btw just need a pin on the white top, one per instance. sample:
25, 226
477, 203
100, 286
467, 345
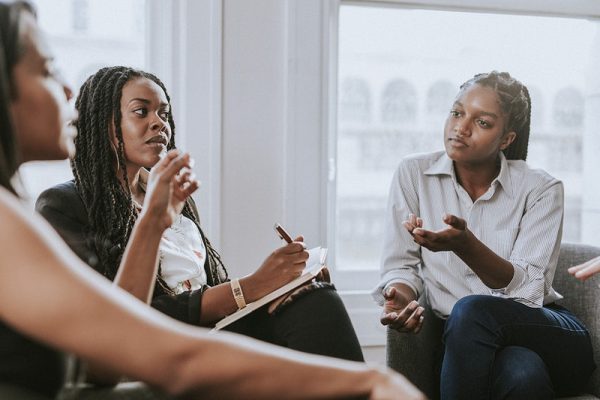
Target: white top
182, 255
519, 218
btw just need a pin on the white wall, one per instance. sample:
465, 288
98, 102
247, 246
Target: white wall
254, 70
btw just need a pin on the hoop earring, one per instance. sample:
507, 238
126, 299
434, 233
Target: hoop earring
114, 149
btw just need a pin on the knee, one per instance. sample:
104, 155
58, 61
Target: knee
468, 314
520, 373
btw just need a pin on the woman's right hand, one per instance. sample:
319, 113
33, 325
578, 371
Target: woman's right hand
283, 265
401, 314
169, 185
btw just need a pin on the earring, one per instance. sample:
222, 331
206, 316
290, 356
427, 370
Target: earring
114, 149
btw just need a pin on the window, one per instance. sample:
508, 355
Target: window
413, 61
399, 102
80, 18
92, 35
568, 109
355, 105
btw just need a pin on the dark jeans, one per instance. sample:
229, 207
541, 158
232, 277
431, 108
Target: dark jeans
497, 348
314, 323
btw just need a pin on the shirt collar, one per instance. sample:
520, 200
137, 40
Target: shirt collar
143, 183
444, 166
143, 179
504, 176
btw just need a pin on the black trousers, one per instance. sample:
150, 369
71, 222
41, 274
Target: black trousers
315, 323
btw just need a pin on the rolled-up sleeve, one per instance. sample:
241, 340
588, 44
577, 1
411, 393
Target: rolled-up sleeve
401, 256
536, 249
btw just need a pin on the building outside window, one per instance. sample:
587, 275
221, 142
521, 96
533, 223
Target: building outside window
412, 63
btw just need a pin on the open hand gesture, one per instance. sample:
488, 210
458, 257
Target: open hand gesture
401, 316
449, 239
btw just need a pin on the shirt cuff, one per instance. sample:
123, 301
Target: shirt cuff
377, 292
514, 284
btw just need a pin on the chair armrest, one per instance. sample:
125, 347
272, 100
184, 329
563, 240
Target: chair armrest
417, 356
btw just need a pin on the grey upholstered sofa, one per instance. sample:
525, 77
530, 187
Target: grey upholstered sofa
413, 355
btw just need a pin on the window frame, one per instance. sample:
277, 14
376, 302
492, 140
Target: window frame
184, 49
322, 180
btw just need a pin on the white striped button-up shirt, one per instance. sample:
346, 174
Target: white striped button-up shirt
519, 218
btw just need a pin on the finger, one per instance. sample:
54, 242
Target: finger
189, 189
388, 318
408, 226
425, 234
408, 311
419, 325
183, 176
576, 268
184, 184
413, 321
584, 265
412, 218
454, 221
292, 248
588, 271
176, 164
419, 222
300, 239
296, 258
162, 163
390, 293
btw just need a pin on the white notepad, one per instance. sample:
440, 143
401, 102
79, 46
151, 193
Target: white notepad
314, 264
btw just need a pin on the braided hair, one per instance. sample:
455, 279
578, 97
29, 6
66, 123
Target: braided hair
96, 166
515, 103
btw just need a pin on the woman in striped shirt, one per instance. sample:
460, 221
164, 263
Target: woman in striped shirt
475, 233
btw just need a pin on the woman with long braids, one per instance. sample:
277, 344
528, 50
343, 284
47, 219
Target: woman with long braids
52, 302
125, 122
477, 232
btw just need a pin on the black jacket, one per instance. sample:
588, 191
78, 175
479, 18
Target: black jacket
62, 206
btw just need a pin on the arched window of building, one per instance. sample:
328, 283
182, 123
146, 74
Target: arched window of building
399, 102
81, 15
568, 108
354, 101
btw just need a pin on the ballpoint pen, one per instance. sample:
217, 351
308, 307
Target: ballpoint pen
283, 234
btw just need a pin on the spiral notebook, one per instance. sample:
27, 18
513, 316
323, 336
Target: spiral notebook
314, 264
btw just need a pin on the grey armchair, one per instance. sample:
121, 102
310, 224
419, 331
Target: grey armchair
414, 355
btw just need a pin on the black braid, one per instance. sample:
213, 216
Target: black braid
109, 203
515, 102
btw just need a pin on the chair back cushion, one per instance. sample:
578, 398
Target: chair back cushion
582, 298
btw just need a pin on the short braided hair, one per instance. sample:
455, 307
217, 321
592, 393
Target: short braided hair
109, 203
515, 102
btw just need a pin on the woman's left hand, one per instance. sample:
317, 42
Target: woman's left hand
450, 239
586, 270
170, 183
